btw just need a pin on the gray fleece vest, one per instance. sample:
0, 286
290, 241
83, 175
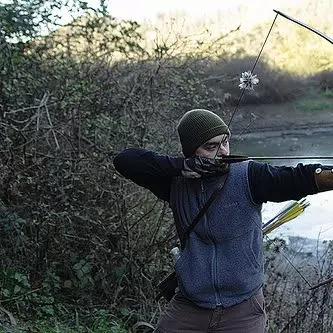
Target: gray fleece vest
222, 263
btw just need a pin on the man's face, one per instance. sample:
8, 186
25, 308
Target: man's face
216, 146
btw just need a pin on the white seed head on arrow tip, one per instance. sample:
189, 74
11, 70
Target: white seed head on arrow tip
248, 80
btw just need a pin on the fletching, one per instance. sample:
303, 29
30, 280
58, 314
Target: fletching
288, 213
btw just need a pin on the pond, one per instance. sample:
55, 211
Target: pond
317, 220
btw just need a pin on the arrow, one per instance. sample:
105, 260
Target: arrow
241, 158
288, 213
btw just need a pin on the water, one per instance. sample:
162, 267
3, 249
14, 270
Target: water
317, 219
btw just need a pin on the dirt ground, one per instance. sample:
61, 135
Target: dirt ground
272, 117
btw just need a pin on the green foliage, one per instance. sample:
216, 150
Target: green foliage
83, 275
17, 293
316, 101
13, 284
328, 93
22, 19
117, 328
95, 37
310, 105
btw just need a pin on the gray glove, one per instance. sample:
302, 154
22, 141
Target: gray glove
196, 167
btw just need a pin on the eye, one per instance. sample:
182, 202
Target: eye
210, 146
225, 140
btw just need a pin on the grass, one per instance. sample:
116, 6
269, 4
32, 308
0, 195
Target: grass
328, 93
315, 101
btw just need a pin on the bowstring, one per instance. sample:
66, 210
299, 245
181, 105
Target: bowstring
233, 115
243, 89
252, 70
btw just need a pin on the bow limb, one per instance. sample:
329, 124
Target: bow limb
329, 280
319, 33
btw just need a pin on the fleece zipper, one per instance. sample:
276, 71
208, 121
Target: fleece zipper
214, 255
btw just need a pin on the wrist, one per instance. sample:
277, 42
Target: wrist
324, 179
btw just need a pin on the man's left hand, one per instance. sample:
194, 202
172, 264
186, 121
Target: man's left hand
197, 166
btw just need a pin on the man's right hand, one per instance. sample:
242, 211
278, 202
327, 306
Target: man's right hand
197, 166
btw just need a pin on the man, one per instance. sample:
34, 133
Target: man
220, 270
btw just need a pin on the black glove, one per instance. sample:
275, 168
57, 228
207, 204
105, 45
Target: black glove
197, 166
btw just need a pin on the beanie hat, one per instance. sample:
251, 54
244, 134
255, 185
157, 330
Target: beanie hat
196, 127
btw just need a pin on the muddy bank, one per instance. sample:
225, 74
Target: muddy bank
309, 130
279, 130
281, 118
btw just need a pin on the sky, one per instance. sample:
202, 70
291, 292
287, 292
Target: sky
148, 9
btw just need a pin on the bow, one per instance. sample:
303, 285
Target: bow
247, 82
248, 77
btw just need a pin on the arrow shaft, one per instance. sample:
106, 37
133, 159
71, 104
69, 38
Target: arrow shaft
241, 158
291, 158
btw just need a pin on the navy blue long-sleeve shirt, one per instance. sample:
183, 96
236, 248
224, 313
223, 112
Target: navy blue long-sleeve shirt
155, 171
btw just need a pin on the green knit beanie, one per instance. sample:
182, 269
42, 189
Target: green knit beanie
196, 127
